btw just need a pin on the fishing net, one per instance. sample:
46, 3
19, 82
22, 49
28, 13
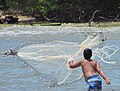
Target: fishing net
49, 60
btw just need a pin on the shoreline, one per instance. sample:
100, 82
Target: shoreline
94, 24
28, 20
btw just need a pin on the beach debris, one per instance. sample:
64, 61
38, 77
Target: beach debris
9, 19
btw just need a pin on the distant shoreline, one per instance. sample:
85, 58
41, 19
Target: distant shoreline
28, 20
94, 24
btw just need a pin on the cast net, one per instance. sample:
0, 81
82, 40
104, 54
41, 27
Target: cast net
49, 60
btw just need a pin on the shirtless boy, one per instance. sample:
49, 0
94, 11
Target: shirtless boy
91, 69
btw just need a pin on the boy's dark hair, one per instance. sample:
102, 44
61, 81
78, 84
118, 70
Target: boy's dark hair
87, 53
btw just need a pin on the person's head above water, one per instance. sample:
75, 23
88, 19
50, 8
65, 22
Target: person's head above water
87, 53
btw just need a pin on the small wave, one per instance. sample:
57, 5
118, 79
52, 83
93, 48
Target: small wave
17, 30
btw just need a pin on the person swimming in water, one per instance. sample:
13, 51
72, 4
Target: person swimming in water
90, 69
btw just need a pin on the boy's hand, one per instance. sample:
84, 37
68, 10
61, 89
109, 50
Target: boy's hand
70, 60
68, 63
107, 81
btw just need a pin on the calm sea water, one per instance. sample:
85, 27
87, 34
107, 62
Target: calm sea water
16, 76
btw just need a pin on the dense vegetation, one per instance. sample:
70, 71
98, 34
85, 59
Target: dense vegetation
64, 10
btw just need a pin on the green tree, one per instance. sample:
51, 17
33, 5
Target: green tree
65, 10
3, 5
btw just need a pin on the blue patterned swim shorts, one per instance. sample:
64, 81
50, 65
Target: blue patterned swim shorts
94, 83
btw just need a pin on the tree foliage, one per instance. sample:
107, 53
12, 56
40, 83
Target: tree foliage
65, 10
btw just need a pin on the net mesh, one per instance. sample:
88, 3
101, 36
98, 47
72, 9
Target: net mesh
49, 60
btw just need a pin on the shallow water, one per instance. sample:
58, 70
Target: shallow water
16, 76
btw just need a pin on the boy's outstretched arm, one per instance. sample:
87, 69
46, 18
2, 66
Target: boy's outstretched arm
74, 65
102, 74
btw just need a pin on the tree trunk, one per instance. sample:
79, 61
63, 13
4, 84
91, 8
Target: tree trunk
93, 15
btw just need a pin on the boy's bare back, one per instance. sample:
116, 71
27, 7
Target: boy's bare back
89, 67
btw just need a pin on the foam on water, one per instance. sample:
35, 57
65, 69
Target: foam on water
17, 30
